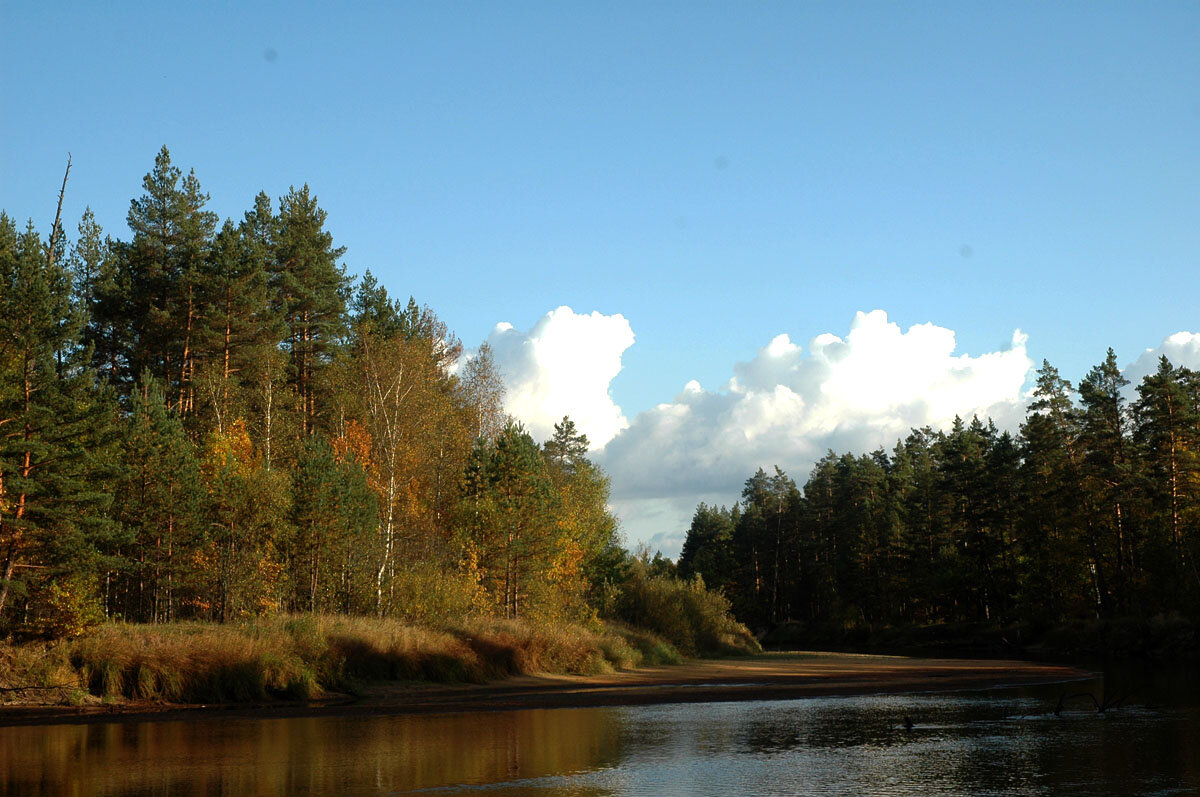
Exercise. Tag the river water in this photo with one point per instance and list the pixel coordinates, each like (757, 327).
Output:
(1005, 741)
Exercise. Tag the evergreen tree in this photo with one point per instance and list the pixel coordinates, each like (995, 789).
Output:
(373, 312)
(763, 544)
(708, 548)
(1166, 431)
(333, 517)
(237, 334)
(159, 500)
(312, 289)
(1107, 482)
(508, 529)
(567, 448)
(55, 436)
(1057, 555)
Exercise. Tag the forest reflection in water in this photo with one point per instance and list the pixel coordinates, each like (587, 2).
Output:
(325, 755)
(996, 742)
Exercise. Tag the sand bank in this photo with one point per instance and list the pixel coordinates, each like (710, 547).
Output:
(773, 676)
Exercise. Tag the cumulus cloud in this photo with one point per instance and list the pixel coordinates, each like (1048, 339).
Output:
(1182, 348)
(564, 366)
(787, 407)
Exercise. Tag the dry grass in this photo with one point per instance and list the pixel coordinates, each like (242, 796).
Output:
(303, 656)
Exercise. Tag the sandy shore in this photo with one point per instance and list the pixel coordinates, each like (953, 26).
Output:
(769, 677)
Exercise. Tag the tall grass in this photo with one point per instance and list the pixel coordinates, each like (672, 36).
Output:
(305, 656)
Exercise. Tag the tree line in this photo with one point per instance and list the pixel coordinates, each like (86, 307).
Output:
(1091, 511)
(212, 420)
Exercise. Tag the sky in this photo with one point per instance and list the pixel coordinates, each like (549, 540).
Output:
(719, 235)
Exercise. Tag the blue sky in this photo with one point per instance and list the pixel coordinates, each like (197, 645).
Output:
(716, 173)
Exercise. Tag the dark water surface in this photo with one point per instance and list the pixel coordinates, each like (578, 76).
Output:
(1005, 741)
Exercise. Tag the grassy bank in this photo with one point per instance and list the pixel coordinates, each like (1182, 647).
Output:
(304, 657)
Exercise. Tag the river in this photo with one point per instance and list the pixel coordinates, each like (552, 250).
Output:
(999, 741)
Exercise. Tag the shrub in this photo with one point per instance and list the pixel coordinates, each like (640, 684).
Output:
(696, 620)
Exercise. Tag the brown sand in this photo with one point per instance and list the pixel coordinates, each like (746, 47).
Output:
(776, 676)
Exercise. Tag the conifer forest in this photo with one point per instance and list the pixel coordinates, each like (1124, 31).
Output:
(1091, 512)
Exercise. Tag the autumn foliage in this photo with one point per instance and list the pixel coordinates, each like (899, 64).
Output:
(215, 423)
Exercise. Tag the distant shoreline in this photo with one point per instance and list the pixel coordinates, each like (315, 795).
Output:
(773, 676)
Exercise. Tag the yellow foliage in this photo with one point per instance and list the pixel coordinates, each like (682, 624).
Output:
(230, 449)
(72, 606)
(353, 444)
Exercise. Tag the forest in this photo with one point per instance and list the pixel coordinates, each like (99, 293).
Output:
(1090, 513)
(212, 421)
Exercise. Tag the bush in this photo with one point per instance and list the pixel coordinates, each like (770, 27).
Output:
(696, 620)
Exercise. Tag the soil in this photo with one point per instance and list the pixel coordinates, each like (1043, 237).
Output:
(773, 676)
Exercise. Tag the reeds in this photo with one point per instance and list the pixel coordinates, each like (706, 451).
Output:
(304, 656)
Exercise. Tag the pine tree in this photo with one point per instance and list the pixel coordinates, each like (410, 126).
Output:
(373, 312)
(508, 506)
(102, 292)
(1058, 553)
(158, 503)
(763, 543)
(1107, 481)
(55, 433)
(708, 548)
(567, 449)
(171, 236)
(312, 289)
(333, 517)
(1167, 431)
(237, 333)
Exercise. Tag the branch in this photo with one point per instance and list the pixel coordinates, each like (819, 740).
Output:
(31, 688)
(57, 228)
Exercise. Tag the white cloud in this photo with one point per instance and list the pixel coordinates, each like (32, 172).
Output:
(787, 408)
(564, 366)
(1182, 348)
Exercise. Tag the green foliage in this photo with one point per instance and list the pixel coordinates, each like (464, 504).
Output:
(70, 606)
(334, 514)
(507, 526)
(195, 424)
(694, 619)
(159, 504)
(56, 429)
(707, 549)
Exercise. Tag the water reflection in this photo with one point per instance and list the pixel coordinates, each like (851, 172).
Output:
(1002, 742)
(305, 756)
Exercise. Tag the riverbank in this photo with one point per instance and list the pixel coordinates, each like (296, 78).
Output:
(772, 676)
(314, 658)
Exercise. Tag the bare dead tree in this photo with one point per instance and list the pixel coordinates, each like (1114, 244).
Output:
(52, 246)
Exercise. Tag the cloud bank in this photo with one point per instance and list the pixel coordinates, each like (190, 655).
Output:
(1182, 348)
(564, 366)
(787, 407)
